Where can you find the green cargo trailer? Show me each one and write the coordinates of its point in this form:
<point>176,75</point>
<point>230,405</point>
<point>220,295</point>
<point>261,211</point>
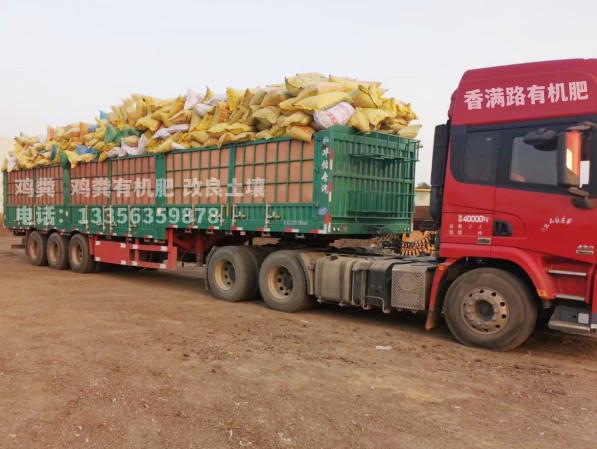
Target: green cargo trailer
<point>208,206</point>
<point>343,184</point>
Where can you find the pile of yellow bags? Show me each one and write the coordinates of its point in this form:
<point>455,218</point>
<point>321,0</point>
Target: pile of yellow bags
<point>302,105</point>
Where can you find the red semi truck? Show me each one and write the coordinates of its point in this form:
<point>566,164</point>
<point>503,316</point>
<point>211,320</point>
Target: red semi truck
<point>512,194</point>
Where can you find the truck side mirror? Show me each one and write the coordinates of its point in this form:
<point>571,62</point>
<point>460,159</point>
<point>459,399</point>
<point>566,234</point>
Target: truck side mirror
<point>542,139</point>
<point>568,158</point>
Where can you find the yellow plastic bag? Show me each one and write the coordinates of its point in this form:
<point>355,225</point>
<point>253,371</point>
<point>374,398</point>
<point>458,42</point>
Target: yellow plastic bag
<point>200,136</point>
<point>247,97</point>
<point>239,128</point>
<point>359,121</point>
<point>209,94</point>
<point>375,116</point>
<point>221,113</point>
<point>320,88</point>
<point>51,133</point>
<point>74,158</point>
<point>165,118</point>
<point>211,142</point>
<point>225,139</point>
<point>265,134</point>
<point>257,97</point>
<point>181,117</point>
<point>244,137</point>
<point>410,132</point>
<point>140,107</point>
<point>41,161</point>
<point>274,97</point>
<point>267,115</point>
<point>300,132</point>
<point>262,126</point>
<point>323,101</point>
<point>157,115</point>
<point>234,97</point>
<point>295,84</point>
<point>404,110</point>
<point>131,141</point>
<point>165,146</point>
<point>195,120</point>
<point>366,96</point>
<point>298,118</point>
<point>397,124</point>
<point>277,131</point>
<point>288,105</point>
<point>205,123</point>
<point>177,106</point>
<point>218,130</point>
<point>237,115</point>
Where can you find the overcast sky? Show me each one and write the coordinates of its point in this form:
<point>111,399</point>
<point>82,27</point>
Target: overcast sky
<point>63,60</point>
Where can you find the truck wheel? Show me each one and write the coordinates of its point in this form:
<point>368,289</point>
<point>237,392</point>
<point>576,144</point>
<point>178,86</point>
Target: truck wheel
<point>36,249</point>
<point>490,308</point>
<point>232,273</point>
<point>78,255</point>
<point>57,251</point>
<point>282,282</point>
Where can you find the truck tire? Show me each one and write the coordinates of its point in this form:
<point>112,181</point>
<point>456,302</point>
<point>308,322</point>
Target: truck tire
<point>282,282</point>
<point>490,308</point>
<point>37,249</point>
<point>232,273</point>
<point>79,258</point>
<point>57,251</point>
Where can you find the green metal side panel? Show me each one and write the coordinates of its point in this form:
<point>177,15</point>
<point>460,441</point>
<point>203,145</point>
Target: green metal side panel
<point>287,170</point>
<point>344,183</point>
<point>371,181</point>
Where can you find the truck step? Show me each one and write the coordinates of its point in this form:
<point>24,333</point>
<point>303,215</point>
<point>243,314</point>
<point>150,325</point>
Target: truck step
<point>567,326</point>
<point>568,273</point>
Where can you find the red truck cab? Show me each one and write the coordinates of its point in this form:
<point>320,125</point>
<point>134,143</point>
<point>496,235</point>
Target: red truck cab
<point>513,180</point>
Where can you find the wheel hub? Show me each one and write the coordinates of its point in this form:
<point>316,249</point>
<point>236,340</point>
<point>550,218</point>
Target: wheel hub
<point>280,282</point>
<point>485,310</point>
<point>225,275</point>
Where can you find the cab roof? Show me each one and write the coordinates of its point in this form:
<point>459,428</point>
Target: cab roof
<point>525,92</point>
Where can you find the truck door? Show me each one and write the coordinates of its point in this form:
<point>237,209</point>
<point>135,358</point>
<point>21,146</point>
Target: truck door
<point>535,215</point>
<point>469,195</point>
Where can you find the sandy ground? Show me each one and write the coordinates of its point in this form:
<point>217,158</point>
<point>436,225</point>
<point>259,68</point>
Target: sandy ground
<point>127,359</point>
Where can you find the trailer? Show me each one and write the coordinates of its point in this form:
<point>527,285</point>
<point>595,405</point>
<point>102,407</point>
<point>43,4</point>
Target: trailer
<point>514,179</point>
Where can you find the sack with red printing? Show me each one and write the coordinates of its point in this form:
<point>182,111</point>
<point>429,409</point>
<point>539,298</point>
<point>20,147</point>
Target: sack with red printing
<point>336,115</point>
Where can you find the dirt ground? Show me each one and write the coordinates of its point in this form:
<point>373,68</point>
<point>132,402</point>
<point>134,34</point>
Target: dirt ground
<point>127,359</point>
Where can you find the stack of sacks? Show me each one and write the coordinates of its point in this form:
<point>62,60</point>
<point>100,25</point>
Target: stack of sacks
<point>304,104</point>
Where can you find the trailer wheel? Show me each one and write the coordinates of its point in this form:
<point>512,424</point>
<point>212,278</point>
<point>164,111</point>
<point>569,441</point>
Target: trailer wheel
<point>282,282</point>
<point>232,273</point>
<point>79,258</point>
<point>36,249</point>
<point>490,308</point>
<point>57,250</point>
